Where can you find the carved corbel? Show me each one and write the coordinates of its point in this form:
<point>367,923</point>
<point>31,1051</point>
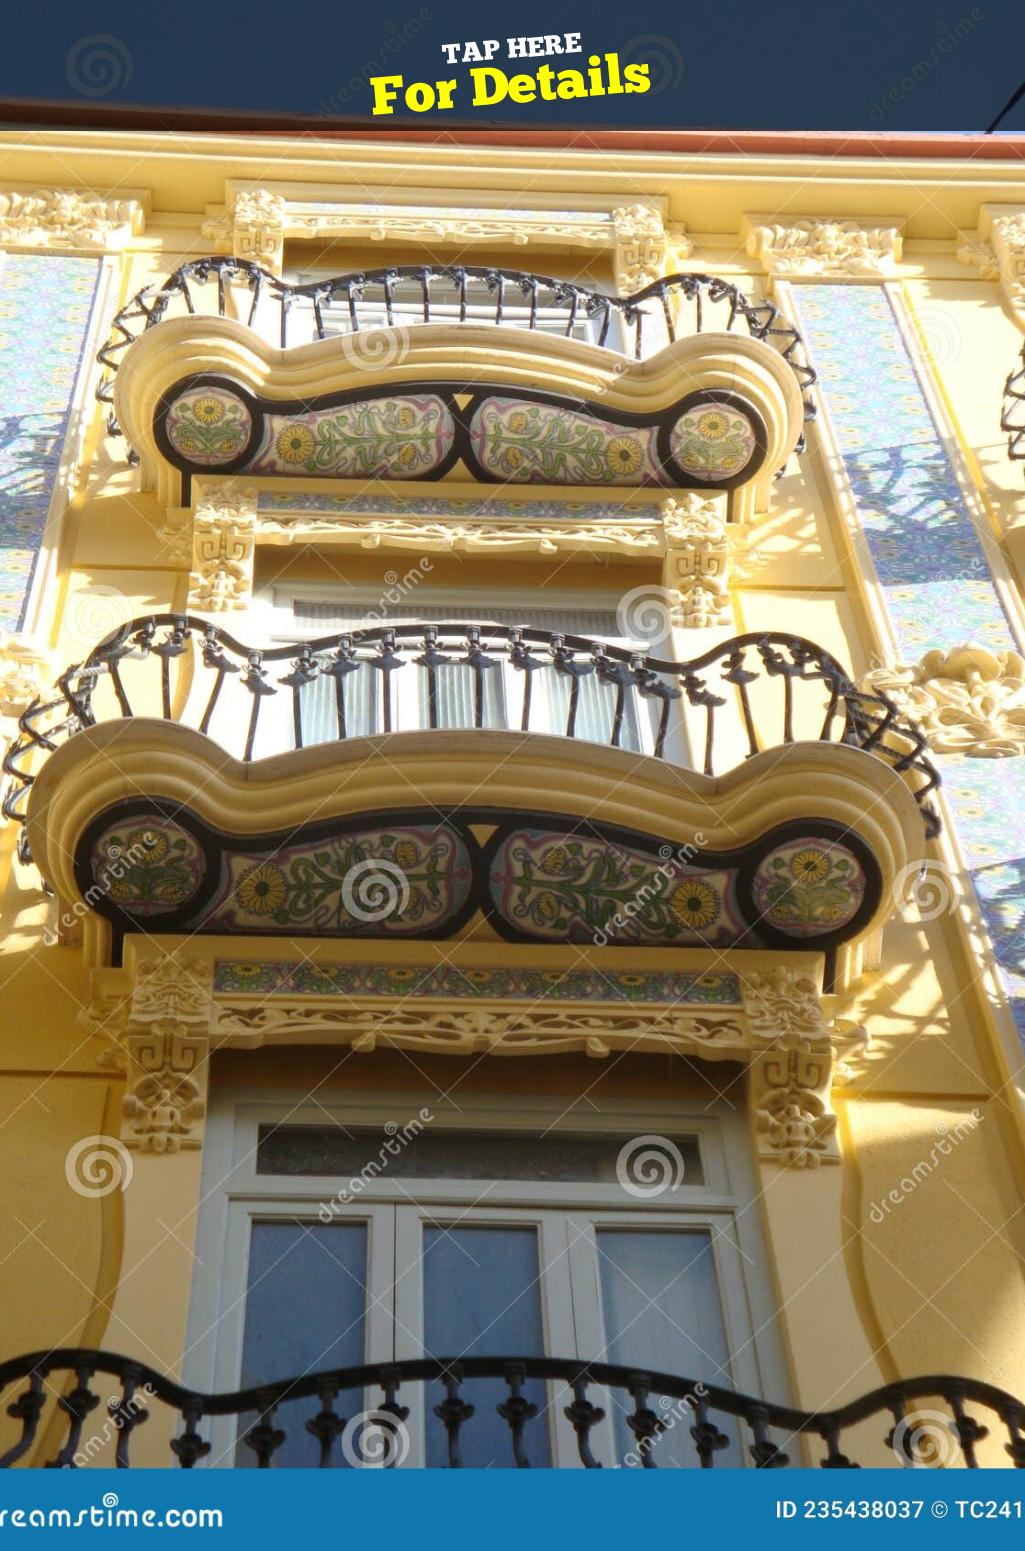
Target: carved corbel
<point>791,1068</point>
<point>695,568</point>
<point>997,250</point>
<point>223,547</point>
<point>794,1125</point>
<point>167,1045</point>
<point>642,246</point>
<point>253,228</point>
<point>823,247</point>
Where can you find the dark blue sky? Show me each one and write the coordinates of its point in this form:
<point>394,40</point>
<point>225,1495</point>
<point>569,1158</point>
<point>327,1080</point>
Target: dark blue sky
<point>731,64</point>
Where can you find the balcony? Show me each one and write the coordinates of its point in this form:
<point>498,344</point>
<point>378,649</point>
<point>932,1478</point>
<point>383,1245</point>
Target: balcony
<point>416,372</point>
<point>661,1419</point>
<point>263,780</point>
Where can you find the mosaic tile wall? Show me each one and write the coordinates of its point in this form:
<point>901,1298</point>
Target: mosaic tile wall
<point>46,303</point>
<point>932,569</point>
<point>445,980</point>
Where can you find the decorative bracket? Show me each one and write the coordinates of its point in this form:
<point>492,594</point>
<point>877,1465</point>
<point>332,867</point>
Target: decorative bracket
<point>997,250</point>
<point>223,548</point>
<point>696,559</point>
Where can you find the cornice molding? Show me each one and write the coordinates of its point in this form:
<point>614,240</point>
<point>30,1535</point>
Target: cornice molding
<point>70,219</point>
<point>255,220</point>
<point>824,247</point>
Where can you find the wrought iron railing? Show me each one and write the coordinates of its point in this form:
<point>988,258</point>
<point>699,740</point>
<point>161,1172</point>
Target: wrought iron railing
<point>1012,419</point>
<point>348,304</point>
<point>753,692</point>
<point>651,1405</point>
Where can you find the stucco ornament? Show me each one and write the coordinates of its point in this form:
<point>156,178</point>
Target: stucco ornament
<point>967,701</point>
<point>997,251</point>
<point>641,246</point>
<point>26,672</point>
<point>67,218</point>
<point>824,246</point>
<point>223,544</point>
<point>696,559</point>
<point>167,1041</point>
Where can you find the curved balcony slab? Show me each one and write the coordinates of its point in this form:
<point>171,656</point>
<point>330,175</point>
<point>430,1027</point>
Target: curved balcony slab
<point>209,395</point>
<point>151,827</point>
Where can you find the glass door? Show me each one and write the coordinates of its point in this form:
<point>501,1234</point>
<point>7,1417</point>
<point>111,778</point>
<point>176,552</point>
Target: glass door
<point>480,1283</point>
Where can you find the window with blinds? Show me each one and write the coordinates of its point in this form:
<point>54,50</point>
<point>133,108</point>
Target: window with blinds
<point>456,682</point>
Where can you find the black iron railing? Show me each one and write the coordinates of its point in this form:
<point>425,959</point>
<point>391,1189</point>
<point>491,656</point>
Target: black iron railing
<point>750,693</point>
<point>651,1405</point>
<point>402,295</point>
<point>1012,418</point>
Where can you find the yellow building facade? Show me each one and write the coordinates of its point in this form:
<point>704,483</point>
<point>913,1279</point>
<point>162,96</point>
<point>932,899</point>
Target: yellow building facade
<point>514,803</point>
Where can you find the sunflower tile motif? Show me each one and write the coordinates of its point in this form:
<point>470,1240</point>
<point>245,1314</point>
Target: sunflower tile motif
<point>713,441</point>
<point>208,426</point>
<point>382,438</point>
<point>148,867</point>
<point>405,880</point>
<point>715,989</point>
<point>576,889</point>
<point>549,444</point>
<point>809,888</point>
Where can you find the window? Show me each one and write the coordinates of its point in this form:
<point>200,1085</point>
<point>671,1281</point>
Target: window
<point>289,617</point>
<point>446,304</point>
<point>485,1234</point>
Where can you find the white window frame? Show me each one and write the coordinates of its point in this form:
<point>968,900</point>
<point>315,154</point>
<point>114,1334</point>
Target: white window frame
<point>234,1196</point>
<point>273,618</point>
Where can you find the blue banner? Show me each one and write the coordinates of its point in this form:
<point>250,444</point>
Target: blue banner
<point>611,1508</point>
<point>922,65</point>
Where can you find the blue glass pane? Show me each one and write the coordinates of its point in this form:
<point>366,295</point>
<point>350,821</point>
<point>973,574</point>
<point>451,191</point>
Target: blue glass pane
<point>305,1311</point>
<point>482,1298</point>
<point>662,1312</point>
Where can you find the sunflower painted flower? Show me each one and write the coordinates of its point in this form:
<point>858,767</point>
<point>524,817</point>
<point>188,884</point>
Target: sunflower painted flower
<point>518,420</point>
<point>151,841</point>
<point>405,417</point>
<point>547,907</point>
<point>295,443</point>
<point>554,859</point>
<point>623,455</point>
<point>208,410</point>
<point>405,853</point>
<point>262,889</point>
<point>810,865</point>
<point>713,426</point>
<point>694,905</point>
